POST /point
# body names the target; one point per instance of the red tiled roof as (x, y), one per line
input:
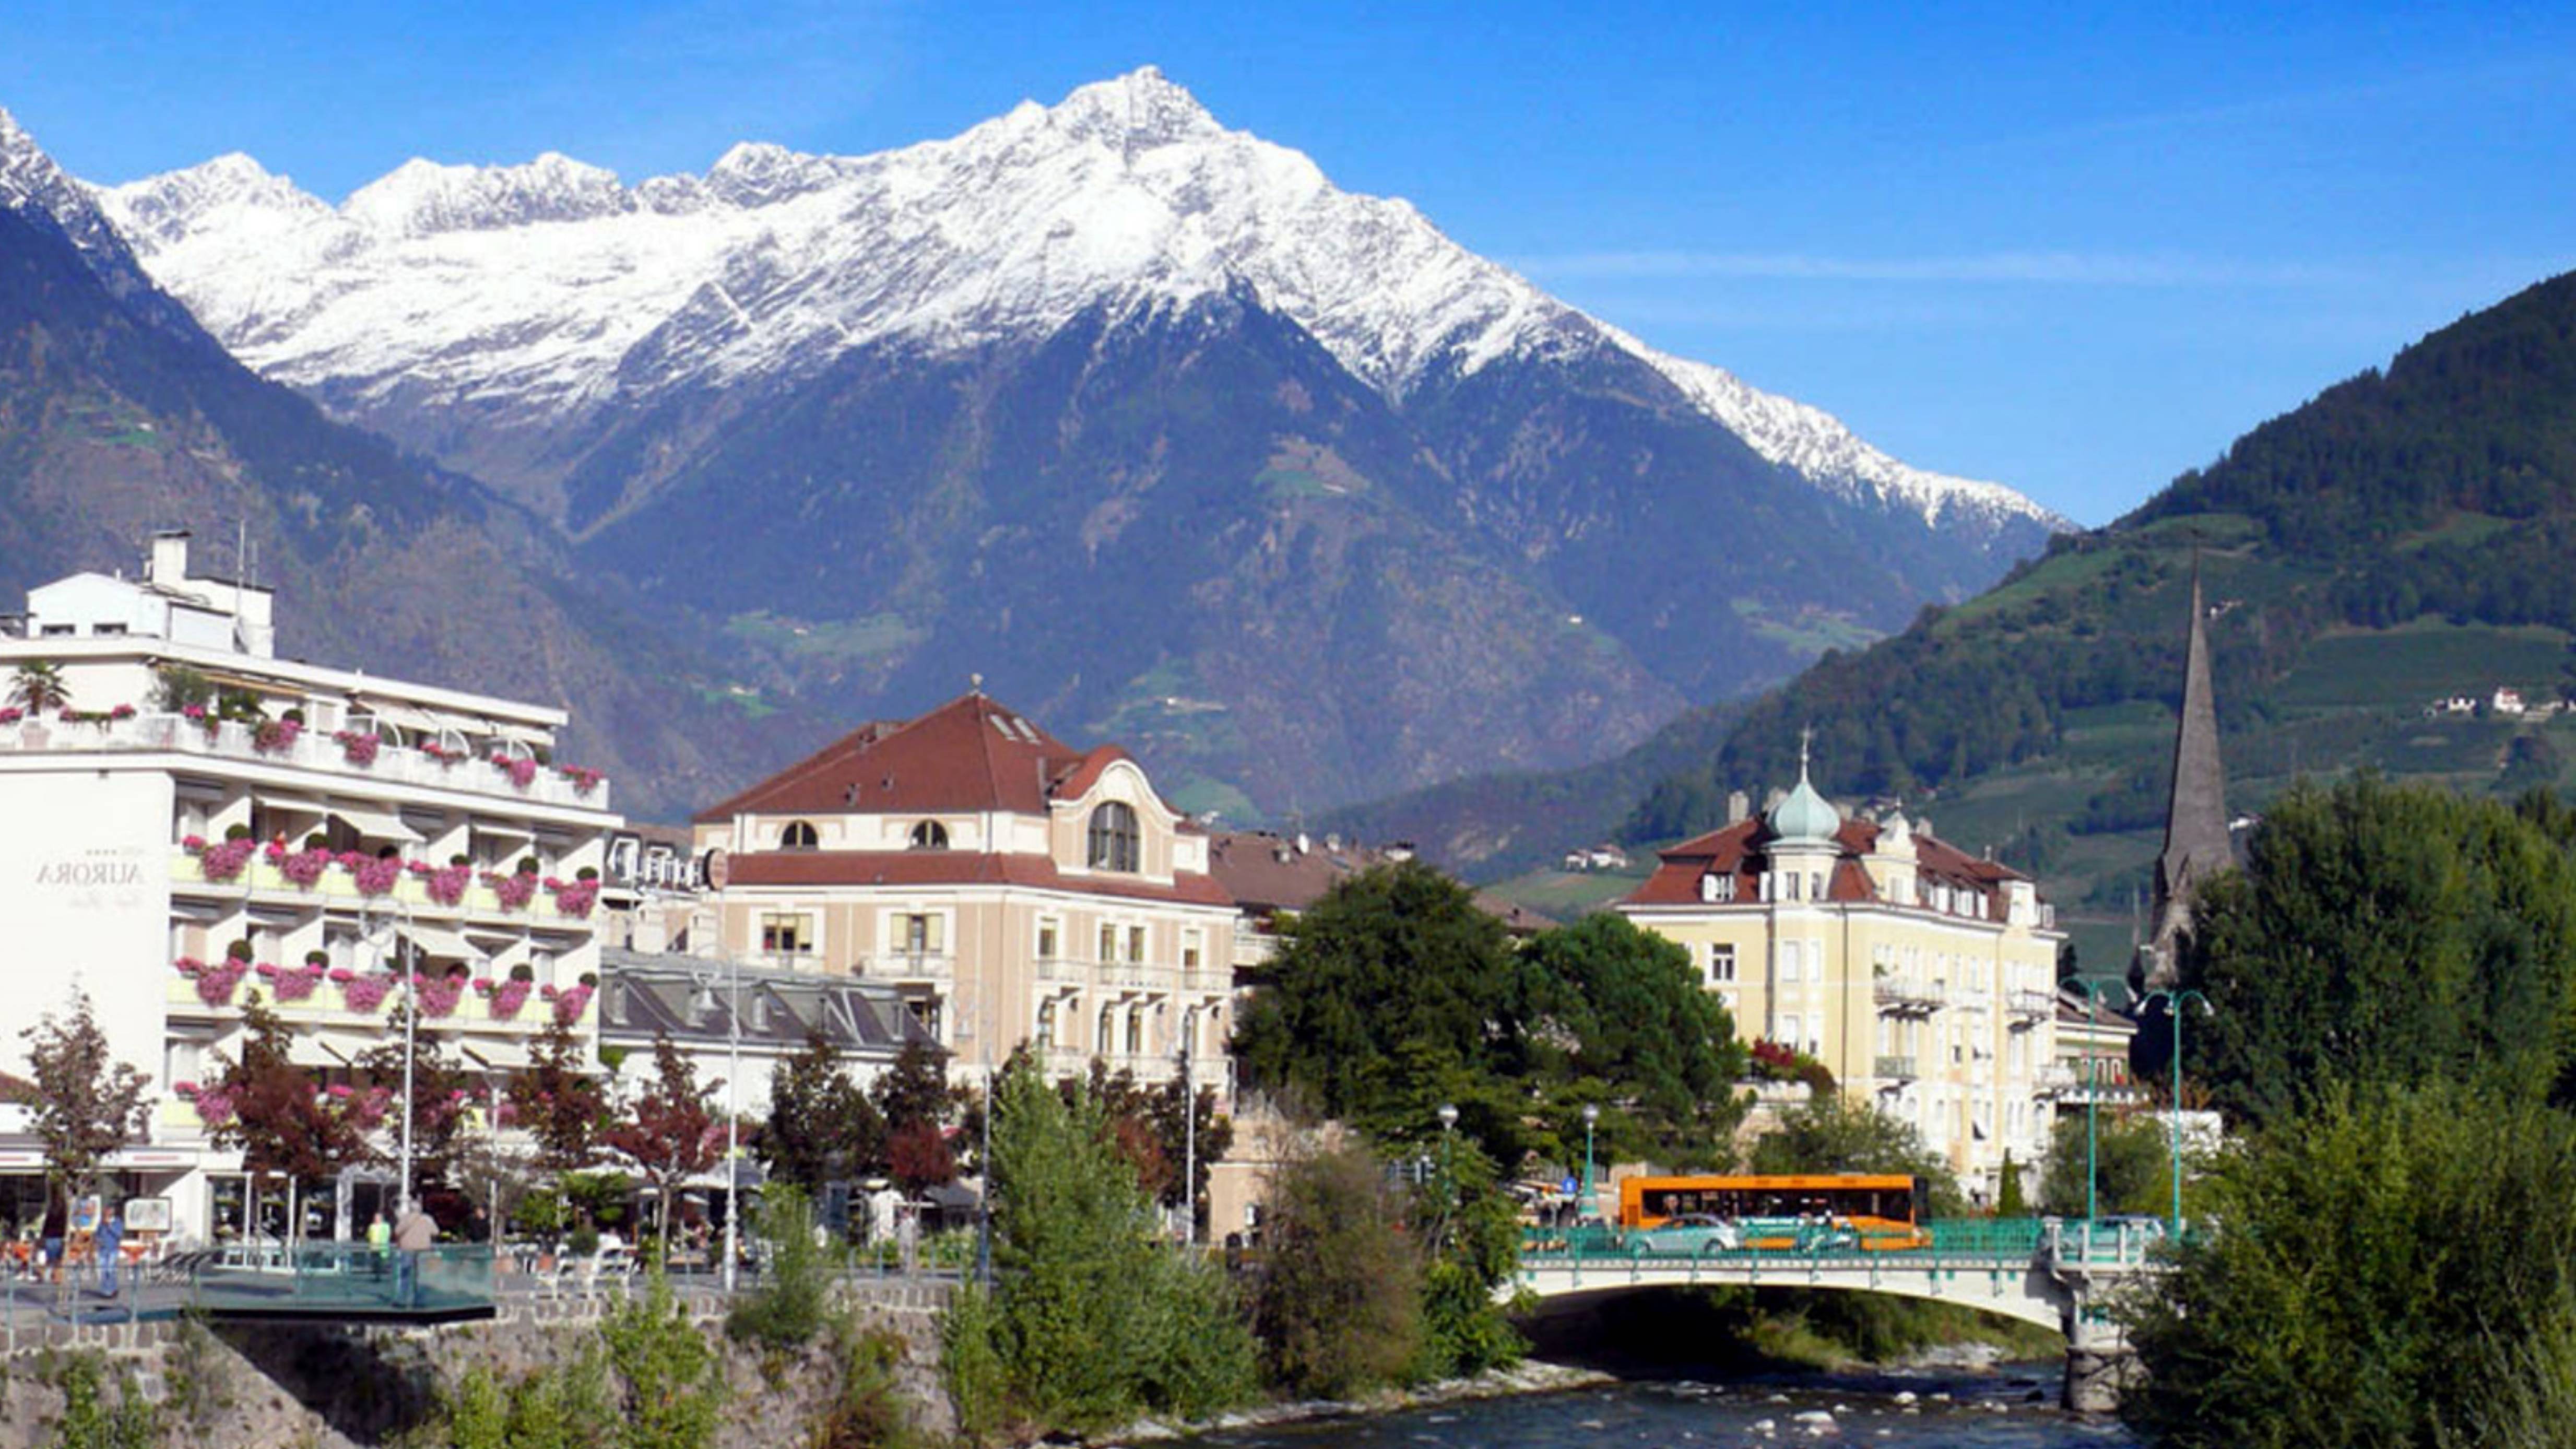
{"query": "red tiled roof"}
(959, 867)
(1742, 851)
(970, 754)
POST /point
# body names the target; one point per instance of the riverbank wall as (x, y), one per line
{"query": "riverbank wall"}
(318, 1386)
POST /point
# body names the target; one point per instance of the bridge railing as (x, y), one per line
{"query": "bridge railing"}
(2112, 1244)
(336, 1278)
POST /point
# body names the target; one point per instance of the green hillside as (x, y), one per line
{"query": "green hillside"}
(2405, 537)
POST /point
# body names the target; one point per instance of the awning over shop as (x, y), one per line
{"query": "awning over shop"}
(332, 1047)
(274, 800)
(500, 831)
(373, 824)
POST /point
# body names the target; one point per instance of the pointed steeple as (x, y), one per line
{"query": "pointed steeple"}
(2196, 845)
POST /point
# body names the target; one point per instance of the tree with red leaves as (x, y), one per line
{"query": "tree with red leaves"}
(281, 1118)
(671, 1135)
(561, 1102)
(919, 1157)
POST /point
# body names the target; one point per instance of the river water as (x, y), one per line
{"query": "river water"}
(2011, 1408)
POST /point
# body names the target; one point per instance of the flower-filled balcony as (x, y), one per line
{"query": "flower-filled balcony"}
(320, 876)
(313, 992)
(286, 742)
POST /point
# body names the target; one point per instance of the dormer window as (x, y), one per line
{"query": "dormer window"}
(930, 835)
(799, 835)
(1113, 837)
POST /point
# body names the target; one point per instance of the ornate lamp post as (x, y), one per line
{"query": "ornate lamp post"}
(2174, 999)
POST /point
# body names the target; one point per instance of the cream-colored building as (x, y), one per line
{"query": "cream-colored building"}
(1013, 888)
(144, 847)
(1924, 978)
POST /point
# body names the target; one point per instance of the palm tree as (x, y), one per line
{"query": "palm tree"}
(39, 687)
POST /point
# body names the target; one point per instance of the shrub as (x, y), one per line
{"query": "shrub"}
(673, 1384)
(587, 872)
(2368, 1250)
(1337, 1306)
(236, 832)
(786, 1311)
(242, 950)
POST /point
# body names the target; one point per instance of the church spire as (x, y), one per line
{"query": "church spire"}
(2196, 845)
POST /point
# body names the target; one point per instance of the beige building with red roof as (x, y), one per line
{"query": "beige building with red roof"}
(1922, 976)
(1011, 887)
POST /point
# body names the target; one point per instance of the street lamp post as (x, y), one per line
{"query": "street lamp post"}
(1189, 1131)
(1448, 1184)
(1591, 1115)
(2092, 1109)
(733, 1112)
(2174, 998)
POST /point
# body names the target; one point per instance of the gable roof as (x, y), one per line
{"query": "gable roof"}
(970, 754)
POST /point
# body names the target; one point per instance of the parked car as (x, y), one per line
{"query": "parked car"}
(1687, 1233)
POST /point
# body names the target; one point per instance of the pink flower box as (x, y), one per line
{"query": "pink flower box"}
(570, 1003)
(574, 897)
(275, 737)
(513, 891)
(364, 993)
(303, 867)
(438, 994)
(508, 998)
(216, 980)
(295, 983)
(445, 883)
(358, 747)
(584, 779)
(223, 860)
(521, 769)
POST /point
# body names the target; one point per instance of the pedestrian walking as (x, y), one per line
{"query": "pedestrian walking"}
(111, 1249)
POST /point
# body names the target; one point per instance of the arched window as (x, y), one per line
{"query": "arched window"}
(1113, 837)
(799, 835)
(930, 835)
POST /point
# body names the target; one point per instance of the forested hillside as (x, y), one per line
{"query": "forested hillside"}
(2404, 538)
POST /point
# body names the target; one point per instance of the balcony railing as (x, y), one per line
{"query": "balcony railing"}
(329, 1005)
(339, 888)
(909, 966)
(1899, 995)
(2034, 1005)
(1062, 968)
(1893, 1069)
(310, 750)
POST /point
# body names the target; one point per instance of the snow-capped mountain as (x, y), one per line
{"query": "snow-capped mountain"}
(492, 314)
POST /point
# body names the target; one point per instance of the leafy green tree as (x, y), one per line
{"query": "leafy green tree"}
(2390, 1259)
(1832, 1133)
(1337, 1304)
(2009, 1202)
(1091, 1321)
(1618, 1014)
(1392, 970)
(176, 687)
(914, 1091)
(86, 1104)
(2384, 934)
(821, 1126)
(2133, 1157)
(1470, 1233)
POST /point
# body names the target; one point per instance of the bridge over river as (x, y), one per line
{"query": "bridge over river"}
(2059, 1275)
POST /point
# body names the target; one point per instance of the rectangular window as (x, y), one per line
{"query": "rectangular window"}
(1789, 1031)
(1815, 886)
(1135, 1033)
(1790, 968)
(1793, 885)
(1189, 950)
(1108, 944)
(1135, 943)
(1721, 964)
(786, 933)
(1047, 940)
(921, 933)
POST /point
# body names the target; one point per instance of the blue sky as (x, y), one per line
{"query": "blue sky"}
(2075, 249)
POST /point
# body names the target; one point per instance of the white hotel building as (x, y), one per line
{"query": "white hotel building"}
(102, 893)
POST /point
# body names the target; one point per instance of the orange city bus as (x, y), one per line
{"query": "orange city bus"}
(1879, 1212)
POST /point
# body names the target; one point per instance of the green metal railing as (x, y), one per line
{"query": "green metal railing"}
(1946, 1240)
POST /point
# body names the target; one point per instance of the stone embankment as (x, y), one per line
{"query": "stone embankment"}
(324, 1387)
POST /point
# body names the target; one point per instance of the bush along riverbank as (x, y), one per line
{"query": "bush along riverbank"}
(1093, 1323)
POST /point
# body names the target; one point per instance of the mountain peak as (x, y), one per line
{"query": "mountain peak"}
(423, 198)
(1140, 108)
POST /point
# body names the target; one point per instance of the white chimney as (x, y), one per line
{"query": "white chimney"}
(169, 558)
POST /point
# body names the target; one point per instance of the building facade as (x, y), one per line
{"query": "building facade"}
(1923, 977)
(1011, 888)
(301, 834)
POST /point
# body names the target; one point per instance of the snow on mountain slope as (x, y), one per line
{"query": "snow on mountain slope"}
(529, 297)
